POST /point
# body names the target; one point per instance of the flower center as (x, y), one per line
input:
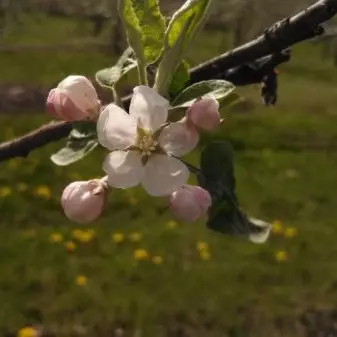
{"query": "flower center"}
(147, 145)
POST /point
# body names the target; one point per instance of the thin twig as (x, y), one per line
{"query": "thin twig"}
(232, 64)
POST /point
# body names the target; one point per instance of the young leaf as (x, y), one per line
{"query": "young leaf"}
(225, 215)
(219, 89)
(81, 140)
(109, 77)
(132, 26)
(180, 33)
(152, 24)
(180, 78)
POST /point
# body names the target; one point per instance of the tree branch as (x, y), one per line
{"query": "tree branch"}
(244, 65)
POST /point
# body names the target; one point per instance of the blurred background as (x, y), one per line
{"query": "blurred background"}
(136, 272)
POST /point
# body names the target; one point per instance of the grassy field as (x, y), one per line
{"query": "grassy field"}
(135, 270)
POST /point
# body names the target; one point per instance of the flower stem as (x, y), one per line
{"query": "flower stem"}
(142, 75)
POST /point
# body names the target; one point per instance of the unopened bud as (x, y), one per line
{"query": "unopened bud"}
(84, 201)
(204, 114)
(189, 203)
(74, 99)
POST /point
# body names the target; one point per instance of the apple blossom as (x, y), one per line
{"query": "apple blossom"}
(74, 99)
(143, 145)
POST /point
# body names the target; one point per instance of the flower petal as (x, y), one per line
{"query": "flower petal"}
(163, 175)
(124, 168)
(116, 130)
(179, 138)
(148, 108)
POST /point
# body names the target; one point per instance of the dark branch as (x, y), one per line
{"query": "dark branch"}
(244, 65)
(283, 34)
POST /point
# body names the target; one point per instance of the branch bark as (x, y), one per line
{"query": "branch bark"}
(243, 65)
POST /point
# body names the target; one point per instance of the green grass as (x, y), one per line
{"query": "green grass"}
(241, 290)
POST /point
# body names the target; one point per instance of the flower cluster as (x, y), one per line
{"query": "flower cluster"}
(144, 148)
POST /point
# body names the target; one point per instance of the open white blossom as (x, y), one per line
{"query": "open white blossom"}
(143, 144)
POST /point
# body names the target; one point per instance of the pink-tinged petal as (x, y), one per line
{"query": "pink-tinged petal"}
(163, 175)
(179, 138)
(124, 169)
(82, 93)
(189, 203)
(204, 114)
(83, 201)
(148, 108)
(116, 130)
(60, 105)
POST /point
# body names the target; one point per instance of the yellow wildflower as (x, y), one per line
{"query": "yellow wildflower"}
(56, 238)
(157, 260)
(281, 256)
(205, 255)
(70, 246)
(22, 187)
(81, 280)
(171, 224)
(5, 191)
(83, 236)
(141, 254)
(27, 332)
(290, 232)
(43, 191)
(201, 246)
(118, 237)
(135, 237)
(277, 227)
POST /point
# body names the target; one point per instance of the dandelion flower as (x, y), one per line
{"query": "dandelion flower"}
(118, 237)
(290, 232)
(83, 236)
(135, 237)
(201, 246)
(171, 224)
(70, 246)
(27, 332)
(281, 256)
(56, 238)
(5, 192)
(140, 254)
(43, 191)
(81, 280)
(277, 227)
(205, 255)
(157, 260)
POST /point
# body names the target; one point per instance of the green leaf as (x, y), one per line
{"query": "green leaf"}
(109, 77)
(225, 215)
(180, 78)
(184, 26)
(145, 28)
(153, 26)
(81, 141)
(219, 89)
(132, 26)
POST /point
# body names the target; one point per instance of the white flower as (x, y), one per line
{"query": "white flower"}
(142, 144)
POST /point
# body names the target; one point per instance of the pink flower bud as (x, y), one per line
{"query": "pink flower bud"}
(189, 203)
(74, 99)
(204, 113)
(84, 201)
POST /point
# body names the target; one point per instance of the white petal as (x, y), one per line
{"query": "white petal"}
(178, 138)
(116, 130)
(163, 175)
(148, 108)
(124, 169)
